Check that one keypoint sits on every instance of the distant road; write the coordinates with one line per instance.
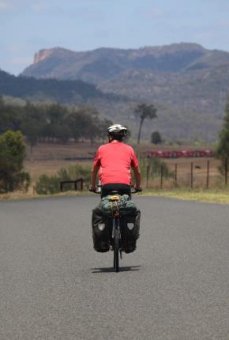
(53, 285)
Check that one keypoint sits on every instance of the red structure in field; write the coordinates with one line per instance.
(180, 153)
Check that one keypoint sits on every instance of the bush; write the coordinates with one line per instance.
(51, 184)
(12, 154)
(156, 137)
(47, 185)
(74, 172)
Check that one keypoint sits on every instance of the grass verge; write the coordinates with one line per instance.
(211, 196)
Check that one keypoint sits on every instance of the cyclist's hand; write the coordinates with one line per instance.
(92, 189)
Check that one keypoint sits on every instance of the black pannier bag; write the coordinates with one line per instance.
(102, 219)
(100, 230)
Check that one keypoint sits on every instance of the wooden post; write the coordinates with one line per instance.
(191, 175)
(226, 171)
(175, 175)
(81, 184)
(208, 173)
(147, 175)
(161, 176)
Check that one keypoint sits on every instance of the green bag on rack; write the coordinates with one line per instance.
(125, 204)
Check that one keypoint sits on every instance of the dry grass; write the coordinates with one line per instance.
(209, 196)
(50, 158)
(54, 151)
(38, 168)
(198, 172)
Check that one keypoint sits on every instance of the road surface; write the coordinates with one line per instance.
(53, 285)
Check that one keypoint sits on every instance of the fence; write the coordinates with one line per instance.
(198, 173)
(172, 173)
(67, 184)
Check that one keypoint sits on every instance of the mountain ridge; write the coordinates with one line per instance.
(187, 82)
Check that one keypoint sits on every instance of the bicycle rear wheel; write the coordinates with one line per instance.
(116, 255)
(116, 249)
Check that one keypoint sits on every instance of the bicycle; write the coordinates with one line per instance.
(115, 233)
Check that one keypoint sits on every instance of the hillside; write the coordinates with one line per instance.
(65, 91)
(186, 82)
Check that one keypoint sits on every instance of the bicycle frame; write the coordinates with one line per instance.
(116, 231)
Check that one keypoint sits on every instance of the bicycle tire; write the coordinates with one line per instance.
(116, 249)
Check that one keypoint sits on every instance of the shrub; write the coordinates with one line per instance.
(47, 185)
(51, 184)
(75, 171)
(12, 154)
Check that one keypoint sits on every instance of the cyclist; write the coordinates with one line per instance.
(113, 163)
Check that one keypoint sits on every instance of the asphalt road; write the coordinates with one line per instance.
(53, 285)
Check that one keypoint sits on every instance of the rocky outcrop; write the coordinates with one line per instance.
(42, 55)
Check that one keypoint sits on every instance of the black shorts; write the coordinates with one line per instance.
(121, 189)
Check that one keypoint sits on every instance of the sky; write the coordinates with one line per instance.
(27, 26)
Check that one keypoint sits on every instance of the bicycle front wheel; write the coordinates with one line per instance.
(116, 250)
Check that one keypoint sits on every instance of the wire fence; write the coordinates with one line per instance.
(195, 173)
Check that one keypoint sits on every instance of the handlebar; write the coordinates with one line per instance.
(135, 190)
(95, 191)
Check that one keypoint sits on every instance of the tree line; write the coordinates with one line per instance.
(55, 122)
(47, 122)
(52, 122)
(64, 91)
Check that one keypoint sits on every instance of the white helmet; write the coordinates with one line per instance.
(117, 129)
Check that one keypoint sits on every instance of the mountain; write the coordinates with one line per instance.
(186, 82)
(108, 63)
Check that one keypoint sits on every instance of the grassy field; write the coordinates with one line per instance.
(50, 158)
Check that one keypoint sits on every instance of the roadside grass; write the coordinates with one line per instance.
(220, 196)
(202, 195)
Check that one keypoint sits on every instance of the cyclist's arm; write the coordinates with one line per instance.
(137, 176)
(136, 171)
(94, 172)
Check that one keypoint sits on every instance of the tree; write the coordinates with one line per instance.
(144, 111)
(223, 147)
(156, 138)
(32, 124)
(55, 115)
(10, 117)
(12, 154)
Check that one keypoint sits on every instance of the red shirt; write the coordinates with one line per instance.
(115, 160)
